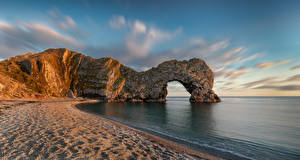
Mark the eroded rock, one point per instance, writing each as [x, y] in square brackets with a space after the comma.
[65, 73]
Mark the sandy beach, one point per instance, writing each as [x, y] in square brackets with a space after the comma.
[55, 129]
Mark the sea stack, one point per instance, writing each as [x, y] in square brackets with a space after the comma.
[65, 73]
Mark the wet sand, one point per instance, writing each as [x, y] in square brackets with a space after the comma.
[55, 129]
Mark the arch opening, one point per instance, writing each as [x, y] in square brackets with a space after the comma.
[176, 89]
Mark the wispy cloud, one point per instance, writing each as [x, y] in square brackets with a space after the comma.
[142, 38]
[252, 57]
[281, 88]
[117, 22]
[62, 21]
[270, 64]
[212, 52]
[232, 74]
[66, 23]
[139, 42]
[295, 67]
[137, 45]
[272, 83]
[295, 78]
[229, 83]
[239, 59]
[196, 47]
[229, 53]
[138, 27]
[259, 82]
[31, 36]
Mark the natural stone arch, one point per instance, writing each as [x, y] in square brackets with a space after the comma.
[194, 75]
[61, 72]
[113, 81]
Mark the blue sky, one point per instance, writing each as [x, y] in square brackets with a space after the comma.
[252, 46]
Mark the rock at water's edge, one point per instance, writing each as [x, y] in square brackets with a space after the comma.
[65, 73]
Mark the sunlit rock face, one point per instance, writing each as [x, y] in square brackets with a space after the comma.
[65, 73]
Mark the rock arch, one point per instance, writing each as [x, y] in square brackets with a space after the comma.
[120, 83]
[194, 75]
[61, 72]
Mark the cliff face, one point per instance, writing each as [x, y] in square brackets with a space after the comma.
[61, 73]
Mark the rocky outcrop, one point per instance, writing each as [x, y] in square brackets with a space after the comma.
[61, 73]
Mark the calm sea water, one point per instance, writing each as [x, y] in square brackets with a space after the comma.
[236, 128]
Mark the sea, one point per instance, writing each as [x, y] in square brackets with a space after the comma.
[236, 128]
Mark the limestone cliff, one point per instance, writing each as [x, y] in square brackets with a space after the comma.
[61, 73]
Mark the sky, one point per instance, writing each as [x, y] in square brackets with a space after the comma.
[252, 46]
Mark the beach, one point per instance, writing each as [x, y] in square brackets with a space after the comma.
[213, 128]
[55, 129]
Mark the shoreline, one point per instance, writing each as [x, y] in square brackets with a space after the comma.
[157, 139]
[57, 129]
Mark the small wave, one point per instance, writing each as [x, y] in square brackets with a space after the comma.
[178, 139]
